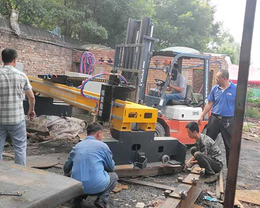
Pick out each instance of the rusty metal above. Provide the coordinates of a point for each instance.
(11, 194)
(240, 103)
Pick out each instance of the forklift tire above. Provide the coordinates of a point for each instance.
(165, 159)
(159, 130)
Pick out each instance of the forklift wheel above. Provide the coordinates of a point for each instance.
(159, 130)
(165, 159)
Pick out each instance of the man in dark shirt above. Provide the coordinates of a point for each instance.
(90, 162)
(206, 153)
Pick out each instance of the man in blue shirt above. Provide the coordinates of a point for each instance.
(222, 101)
(90, 162)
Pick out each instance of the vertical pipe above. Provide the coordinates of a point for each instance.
(244, 63)
(205, 81)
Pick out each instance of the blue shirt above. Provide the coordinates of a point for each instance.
(223, 100)
(89, 162)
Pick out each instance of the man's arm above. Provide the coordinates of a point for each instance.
(69, 163)
(31, 100)
(109, 163)
(178, 89)
(205, 111)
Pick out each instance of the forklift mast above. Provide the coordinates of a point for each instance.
(133, 57)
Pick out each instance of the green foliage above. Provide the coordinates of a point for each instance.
(253, 112)
(224, 43)
(251, 99)
(177, 23)
(184, 23)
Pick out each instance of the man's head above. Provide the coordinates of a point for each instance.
(95, 130)
(9, 57)
(193, 130)
(222, 77)
(175, 70)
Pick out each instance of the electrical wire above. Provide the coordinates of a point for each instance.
(82, 86)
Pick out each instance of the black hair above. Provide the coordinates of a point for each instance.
(176, 66)
(193, 126)
(93, 128)
(8, 55)
(224, 73)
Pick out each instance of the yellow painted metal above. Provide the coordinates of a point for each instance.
(70, 95)
(124, 113)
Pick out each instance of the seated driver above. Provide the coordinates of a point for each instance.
(177, 86)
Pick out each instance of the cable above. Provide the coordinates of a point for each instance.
(87, 63)
(82, 86)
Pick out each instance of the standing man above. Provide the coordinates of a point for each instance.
(90, 162)
(222, 99)
(177, 86)
(13, 85)
(205, 153)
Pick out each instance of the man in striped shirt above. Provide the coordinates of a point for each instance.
(14, 84)
(205, 153)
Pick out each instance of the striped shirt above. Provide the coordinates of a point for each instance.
(13, 84)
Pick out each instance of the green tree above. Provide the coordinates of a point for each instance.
(177, 23)
(185, 23)
(224, 43)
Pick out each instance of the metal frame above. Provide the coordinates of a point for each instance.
(133, 57)
(178, 57)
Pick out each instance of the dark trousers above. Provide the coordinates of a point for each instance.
(211, 166)
(103, 196)
(223, 126)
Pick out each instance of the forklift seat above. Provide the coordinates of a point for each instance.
(188, 98)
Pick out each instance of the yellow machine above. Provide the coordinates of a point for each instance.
(132, 124)
(123, 114)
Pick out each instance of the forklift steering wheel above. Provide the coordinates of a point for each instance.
(159, 82)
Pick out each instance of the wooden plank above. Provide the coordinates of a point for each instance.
(196, 206)
(191, 198)
(193, 194)
(124, 171)
(180, 188)
(8, 155)
(171, 203)
(196, 170)
(189, 179)
(238, 204)
(218, 195)
(151, 184)
(221, 186)
(250, 196)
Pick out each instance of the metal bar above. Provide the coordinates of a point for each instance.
(65, 93)
(240, 103)
(128, 70)
(120, 57)
(205, 81)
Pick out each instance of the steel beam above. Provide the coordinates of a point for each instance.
(240, 104)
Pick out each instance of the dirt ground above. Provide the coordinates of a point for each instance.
(249, 169)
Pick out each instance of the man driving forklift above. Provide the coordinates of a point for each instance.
(177, 86)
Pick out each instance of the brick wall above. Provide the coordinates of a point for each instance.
(43, 53)
(99, 66)
(193, 75)
(38, 57)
